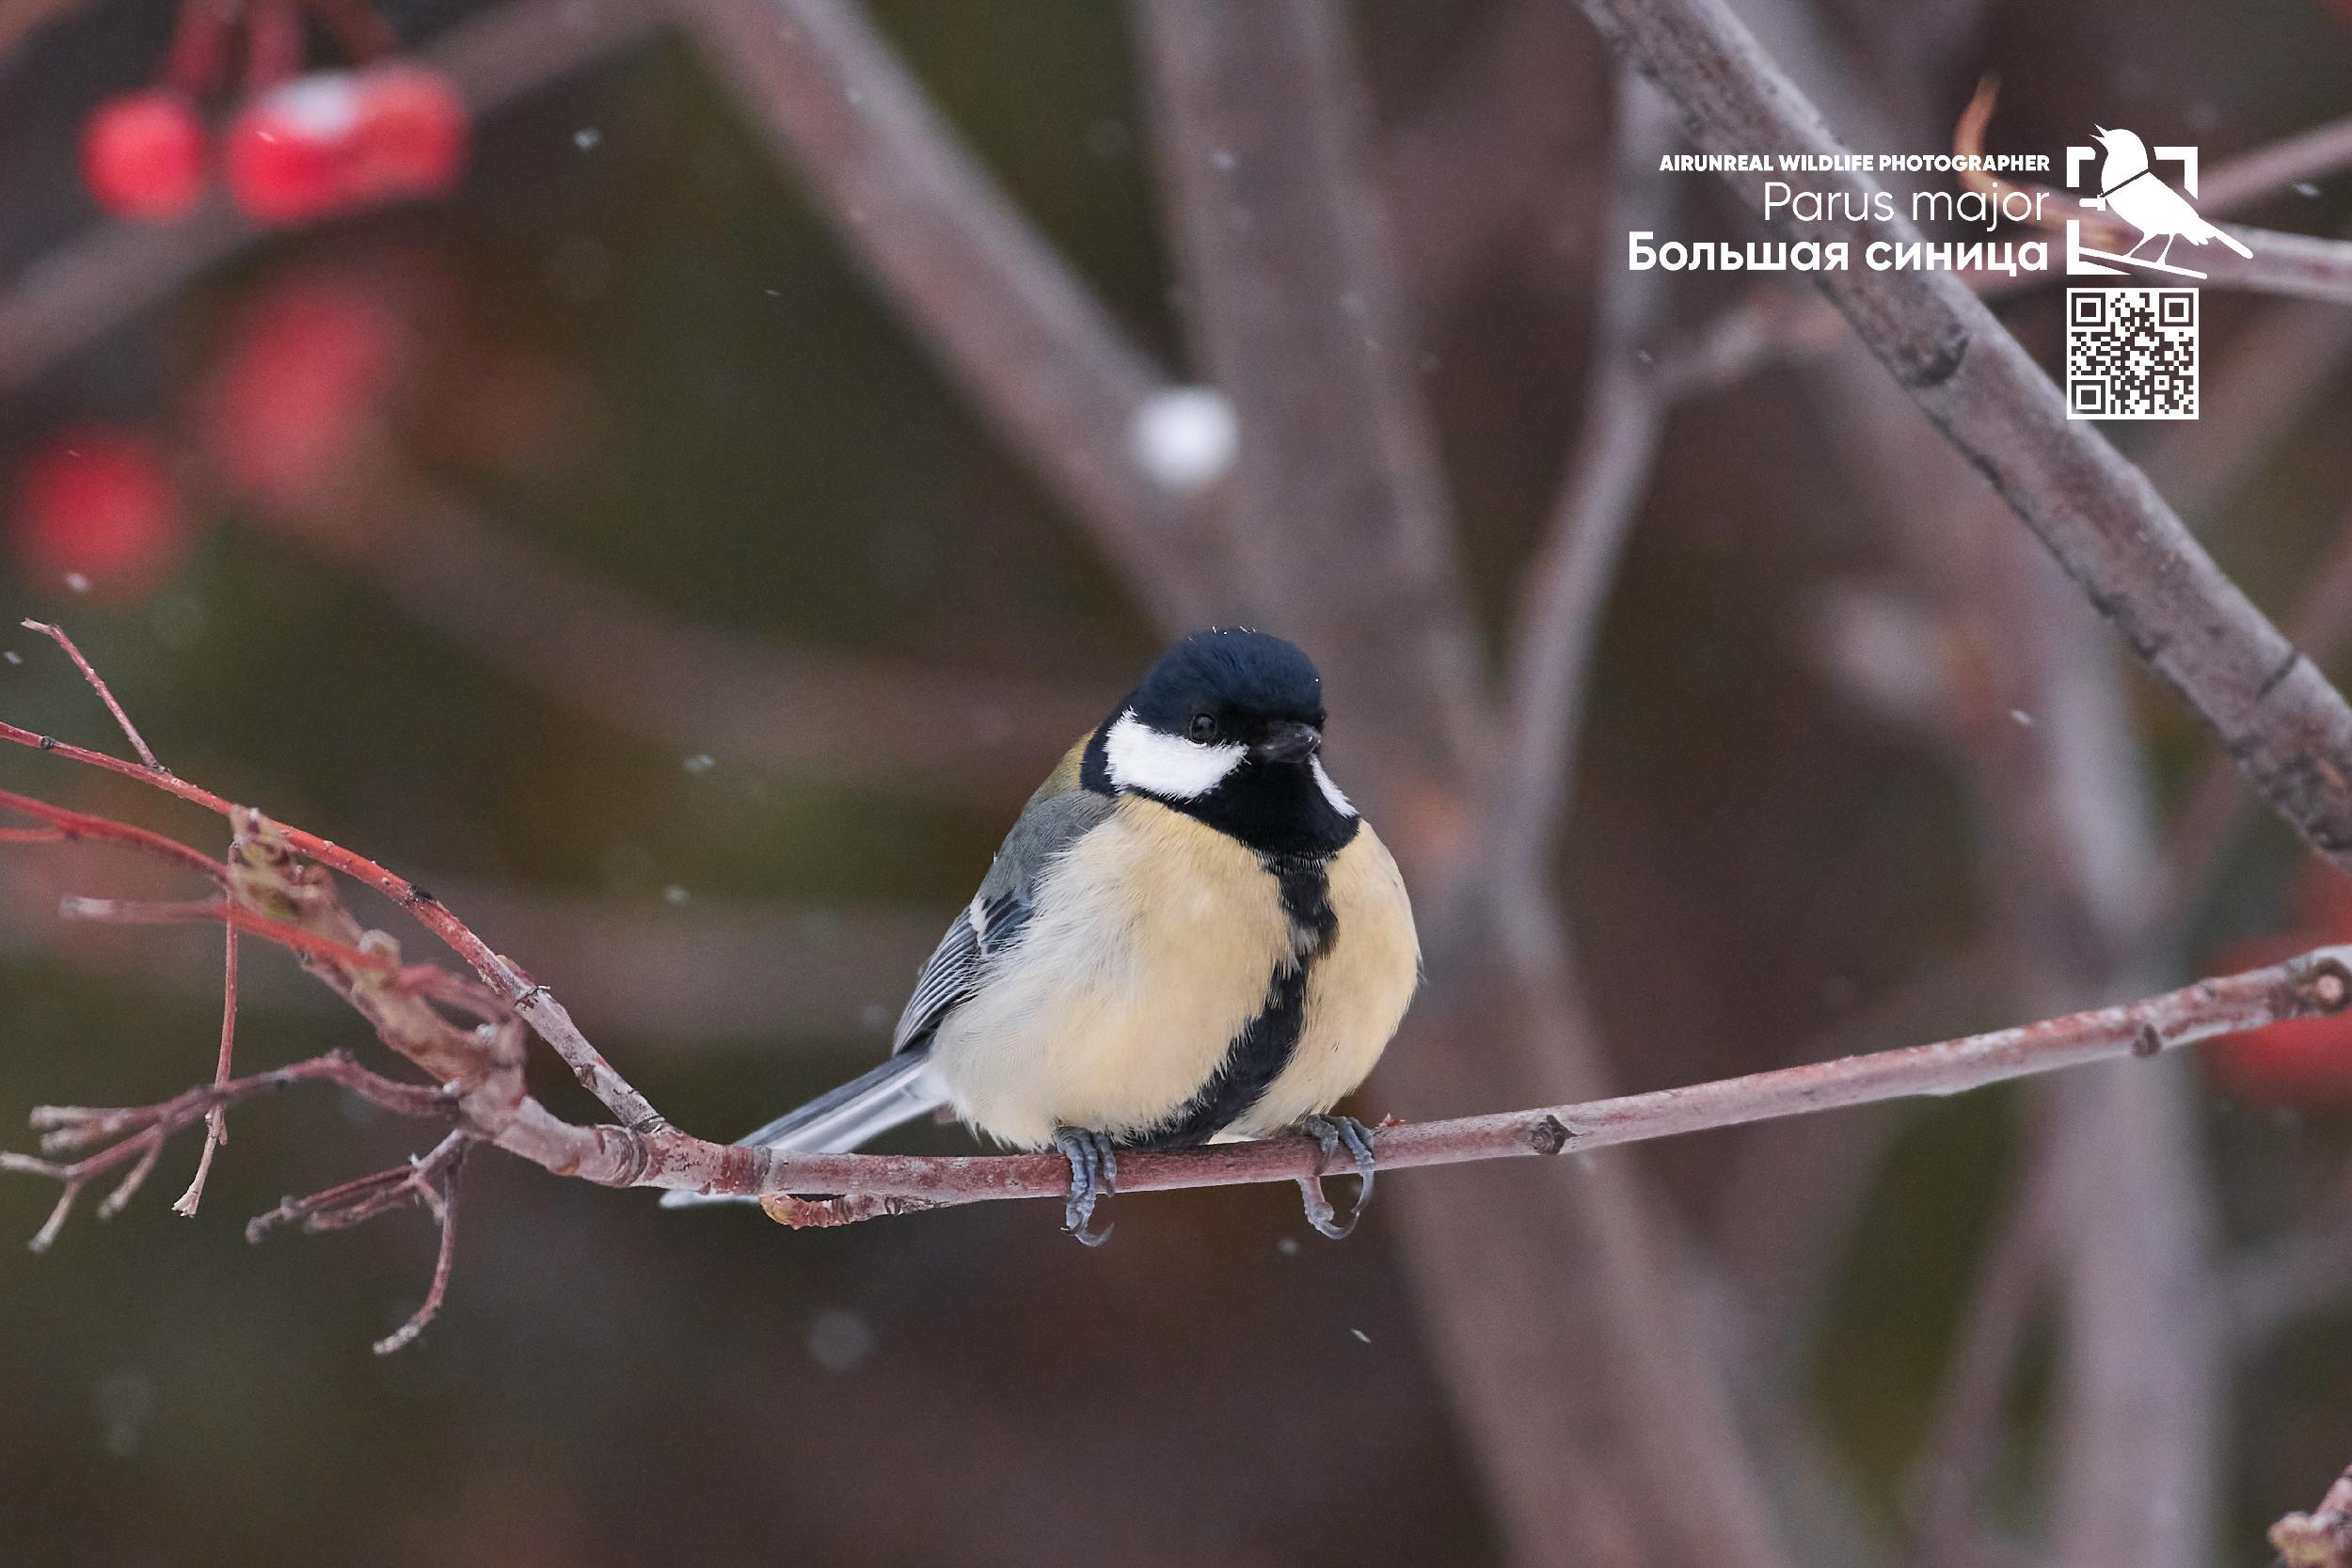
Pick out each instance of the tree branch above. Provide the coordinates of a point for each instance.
(2279, 717)
(480, 1071)
(1037, 353)
(534, 1004)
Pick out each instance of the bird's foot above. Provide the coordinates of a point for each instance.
(1093, 1176)
(1333, 1135)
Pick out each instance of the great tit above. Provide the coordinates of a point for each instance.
(1189, 934)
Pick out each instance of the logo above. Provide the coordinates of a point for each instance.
(2131, 353)
(2130, 188)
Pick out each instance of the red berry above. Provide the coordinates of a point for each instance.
(412, 134)
(286, 151)
(2305, 1062)
(143, 155)
(288, 407)
(96, 509)
(332, 142)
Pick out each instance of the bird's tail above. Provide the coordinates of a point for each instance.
(894, 1093)
(2230, 240)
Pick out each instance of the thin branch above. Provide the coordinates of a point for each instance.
(2288, 728)
(445, 1216)
(2313, 984)
(485, 1065)
(129, 731)
(67, 827)
(2295, 266)
(534, 1004)
(602, 649)
(1945, 1484)
(2304, 158)
(216, 1119)
(1772, 323)
(134, 1135)
(1036, 353)
(1608, 475)
(428, 1182)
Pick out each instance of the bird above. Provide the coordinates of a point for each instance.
(1190, 934)
(2129, 188)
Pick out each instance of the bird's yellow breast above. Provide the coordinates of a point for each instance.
(1156, 941)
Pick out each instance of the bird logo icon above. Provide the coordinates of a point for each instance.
(2130, 188)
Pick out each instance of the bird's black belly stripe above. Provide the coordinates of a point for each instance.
(1265, 1044)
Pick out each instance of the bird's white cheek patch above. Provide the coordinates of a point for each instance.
(1331, 792)
(1141, 758)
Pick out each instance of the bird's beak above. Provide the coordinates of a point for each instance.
(1288, 741)
(2100, 134)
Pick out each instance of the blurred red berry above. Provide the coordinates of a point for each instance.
(286, 151)
(97, 509)
(2306, 1062)
(288, 409)
(143, 155)
(334, 142)
(413, 129)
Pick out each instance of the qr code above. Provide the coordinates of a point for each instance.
(2131, 354)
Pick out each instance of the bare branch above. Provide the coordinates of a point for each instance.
(598, 647)
(534, 1004)
(2288, 728)
(2295, 266)
(129, 731)
(1567, 583)
(216, 1119)
(1039, 357)
(134, 1135)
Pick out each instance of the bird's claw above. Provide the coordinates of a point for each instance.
(1093, 1176)
(1331, 1134)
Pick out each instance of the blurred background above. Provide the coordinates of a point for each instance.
(625, 536)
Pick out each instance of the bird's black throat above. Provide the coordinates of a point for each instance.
(1275, 808)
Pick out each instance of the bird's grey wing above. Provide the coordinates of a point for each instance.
(1053, 820)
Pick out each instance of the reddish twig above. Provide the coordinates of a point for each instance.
(134, 1135)
(530, 1002)
(97, 684)
(216, 1119)
(429, 1183)
(67, 827)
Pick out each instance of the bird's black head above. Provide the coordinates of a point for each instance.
(1228, 728)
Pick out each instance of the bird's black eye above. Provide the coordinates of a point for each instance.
(1204, 727)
